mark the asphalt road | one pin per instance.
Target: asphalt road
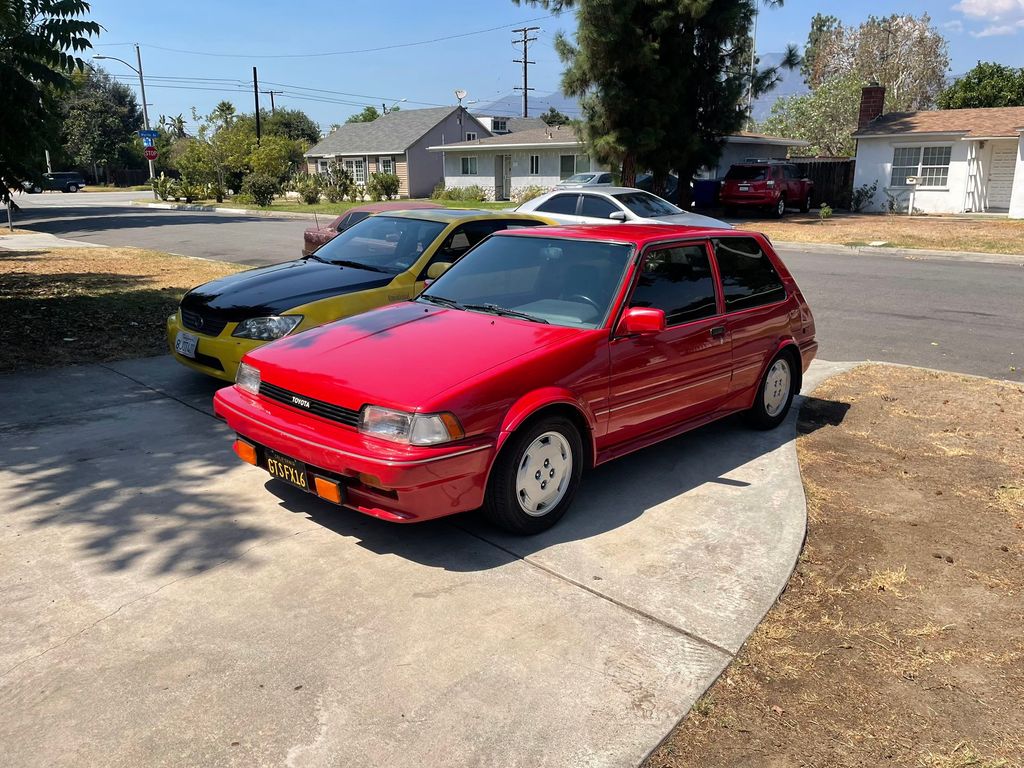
(952, 315)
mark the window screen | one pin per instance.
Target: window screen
(935, 166)
(905, 162)
(748, 277)
(678, 281)
(469, 166)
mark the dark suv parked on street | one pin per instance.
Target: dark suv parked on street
(62, 181)
(772, 185)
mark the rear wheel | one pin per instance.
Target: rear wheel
(780, 207)
(72, 187)
(774, 395)
(36, 189)
(806, 205)
(535, 477)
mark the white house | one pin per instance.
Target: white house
(963, 160)
(544, 156)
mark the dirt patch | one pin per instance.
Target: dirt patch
(899, 638)
(934, 232)
(89, 305)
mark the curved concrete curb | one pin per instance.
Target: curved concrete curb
(168, 606)
(236, 211)
(784, 247)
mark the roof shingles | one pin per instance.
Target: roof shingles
(984, 123)
(391, 133)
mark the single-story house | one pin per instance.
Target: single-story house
(544, 156)
(963, 160)
(397, 143)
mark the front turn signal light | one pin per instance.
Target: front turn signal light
(246, 451)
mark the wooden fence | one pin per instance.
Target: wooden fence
(832, 177)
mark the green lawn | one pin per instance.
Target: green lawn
(293, 206)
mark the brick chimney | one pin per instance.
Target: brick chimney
(872, 104)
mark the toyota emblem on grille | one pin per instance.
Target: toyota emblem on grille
(300, 402)
(199, 321)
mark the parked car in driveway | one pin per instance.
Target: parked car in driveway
(590, 179)
(613, 205)
(314, 237)
(61, 181)
(381, 259)
(771, 185)
(542, 352)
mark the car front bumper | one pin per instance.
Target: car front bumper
(399, 483)
(216, 356)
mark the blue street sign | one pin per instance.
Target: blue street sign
(149, 134)
(147, 142)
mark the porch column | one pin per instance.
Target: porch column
(1017, 195)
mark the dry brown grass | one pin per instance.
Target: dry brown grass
(929, 232)
(84, 305)
(898, 639)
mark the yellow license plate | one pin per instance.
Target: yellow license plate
(287, 469)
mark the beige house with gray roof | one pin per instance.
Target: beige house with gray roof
(397, 143)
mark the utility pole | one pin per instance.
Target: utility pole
(142, 91)
(256, 96)
(753, 70)
(273, 108)
(525, 61)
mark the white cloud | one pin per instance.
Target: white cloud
(954, 26)
(1002, 17)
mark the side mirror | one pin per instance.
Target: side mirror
(641, 321)
(617, 215)
(437, 269)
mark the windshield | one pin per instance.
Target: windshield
(383, 243)
(550, 280)
(580, 178)
(747, 173)
(647, 205)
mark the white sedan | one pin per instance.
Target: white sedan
(609, 205)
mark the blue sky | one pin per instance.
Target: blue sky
(277, 37)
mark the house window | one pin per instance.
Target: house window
(534, 165)
(470, 135)
(387, 165)
(500, 126)
(566, 166)
(323, 166)
(469, 166)
(358, 170)
(929, 164)
(582, 163)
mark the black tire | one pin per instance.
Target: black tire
(72, 187)
(761, 415)
(806, 205)
(779, 210)
(502, 505)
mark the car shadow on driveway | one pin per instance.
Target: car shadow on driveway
(709, 463)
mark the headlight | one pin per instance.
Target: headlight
(267, 328)
(411, 428)
(248, 378)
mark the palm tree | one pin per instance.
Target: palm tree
(223, 114)
(38, 43)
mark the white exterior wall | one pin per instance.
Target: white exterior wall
(1017, 196)
(874, 163)
(488, 172)
(739, 152)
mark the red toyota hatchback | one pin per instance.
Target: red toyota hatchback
(542, 352)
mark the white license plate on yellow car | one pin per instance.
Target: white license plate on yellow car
(185, 344)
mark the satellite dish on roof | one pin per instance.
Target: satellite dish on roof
(460, 93)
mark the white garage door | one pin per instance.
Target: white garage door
(1000, 176)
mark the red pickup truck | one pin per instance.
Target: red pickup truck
(775, 186)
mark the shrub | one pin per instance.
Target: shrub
(336, 183)
(261, 188)
(825, 211)
(438, 193)
(357, 193)
(862, 195)
(164, 187)
(383, 186)
(190, 190)
(523, 194)
(474, 193)
(307, 186)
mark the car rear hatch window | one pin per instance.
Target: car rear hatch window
(747, 173)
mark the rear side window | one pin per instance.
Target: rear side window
(748, 277)
(597, 206)
(679, 282)
(565, 204)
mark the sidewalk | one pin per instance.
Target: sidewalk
(41, 241)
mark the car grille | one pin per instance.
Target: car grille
(205, 324)
(345, 416)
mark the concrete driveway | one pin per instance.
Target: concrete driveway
(163, 604)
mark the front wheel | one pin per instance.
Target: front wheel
(780, 207)
(806, 206)
(72, 187)
(535, 477)
(774, 395)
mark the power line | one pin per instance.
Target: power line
(342, 53)
(525, 61)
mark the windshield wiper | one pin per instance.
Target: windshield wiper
(444, 302)
(357, 265)
(494, 309)
(317, 258)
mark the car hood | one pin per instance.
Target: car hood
(275, 289)
(400, 356)
(690, 220)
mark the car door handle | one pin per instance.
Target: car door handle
(718, 330)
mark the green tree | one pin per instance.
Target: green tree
(101, 118)
(223, 114)
(661, 82)
(368, 115)
(986, 85)
(826, 117)
(292, 124)
(38, 43)
(275, 156)
(554, 117)
(812, 67)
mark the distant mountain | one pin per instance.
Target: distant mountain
(511, 105)
(792, 84)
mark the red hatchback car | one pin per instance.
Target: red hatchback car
(540, 353)
(772, 185)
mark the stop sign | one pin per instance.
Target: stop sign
(149, 153)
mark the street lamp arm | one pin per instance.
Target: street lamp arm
(114, 58)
